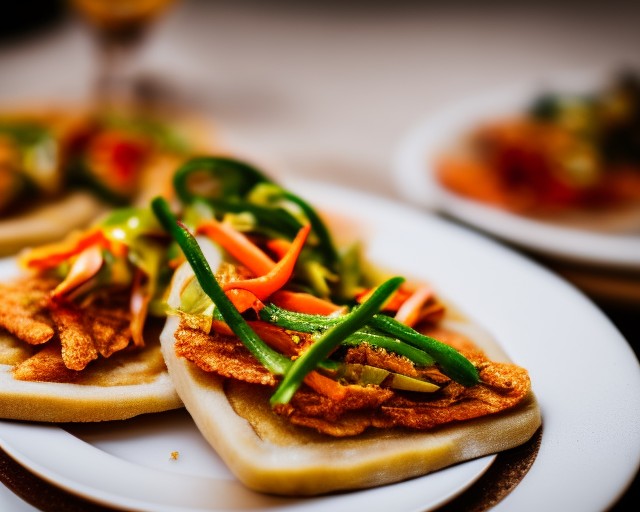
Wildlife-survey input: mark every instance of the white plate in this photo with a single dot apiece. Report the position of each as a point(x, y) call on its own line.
point(584, 374)
point(415, 180)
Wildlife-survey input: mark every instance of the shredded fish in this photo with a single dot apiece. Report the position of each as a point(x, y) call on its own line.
point(361, 407)
point(69, 336)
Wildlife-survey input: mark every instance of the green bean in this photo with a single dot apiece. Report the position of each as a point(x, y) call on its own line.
point(274, 361)
point(303, 322)
point(332, 338)
point(415, 355)
point(452, 363)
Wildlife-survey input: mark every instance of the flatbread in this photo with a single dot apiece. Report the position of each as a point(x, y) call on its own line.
point(269, 454)
point(123, 386)
point(47, 377)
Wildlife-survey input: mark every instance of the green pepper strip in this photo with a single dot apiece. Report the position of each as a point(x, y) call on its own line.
point(236, 177)
point(349, 324)
point(274, 361)
point(452, 363)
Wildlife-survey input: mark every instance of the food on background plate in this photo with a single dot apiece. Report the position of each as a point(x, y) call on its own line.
point(568, 153)
point(308, 370)
point(75, 341)
point(60, 168)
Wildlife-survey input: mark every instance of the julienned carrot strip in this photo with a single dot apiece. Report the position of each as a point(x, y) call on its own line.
point(409, 312)
point(85, 266)
point(395, 301)
point(276, 337)
point(138, 305)
point(279, 339)
point(174, 263)
point(325, 386)
point(243, 300)
point(52, 255)
point(304, 303)
point(238, 245)
point(272, 335)
point(279, 247)
point(262, 287)
point(221, 327)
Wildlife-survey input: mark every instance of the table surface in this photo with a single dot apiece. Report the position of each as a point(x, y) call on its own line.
point(328, 91)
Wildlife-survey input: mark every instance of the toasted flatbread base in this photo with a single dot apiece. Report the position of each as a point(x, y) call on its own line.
point(123, 386)
point(62, 403)
point(270, 455)
point(49, 222)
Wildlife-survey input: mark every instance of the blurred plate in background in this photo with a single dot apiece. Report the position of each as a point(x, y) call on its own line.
point(608, 242)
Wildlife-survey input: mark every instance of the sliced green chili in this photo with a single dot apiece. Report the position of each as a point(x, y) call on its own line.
point(452, 362)
point(274, 361)
point(232, 178)
point(322, 347)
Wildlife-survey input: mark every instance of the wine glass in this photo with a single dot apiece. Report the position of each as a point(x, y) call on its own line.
point(119, 28)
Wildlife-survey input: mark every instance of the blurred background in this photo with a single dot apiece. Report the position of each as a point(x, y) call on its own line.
point(323, 90)
point(329, 87)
